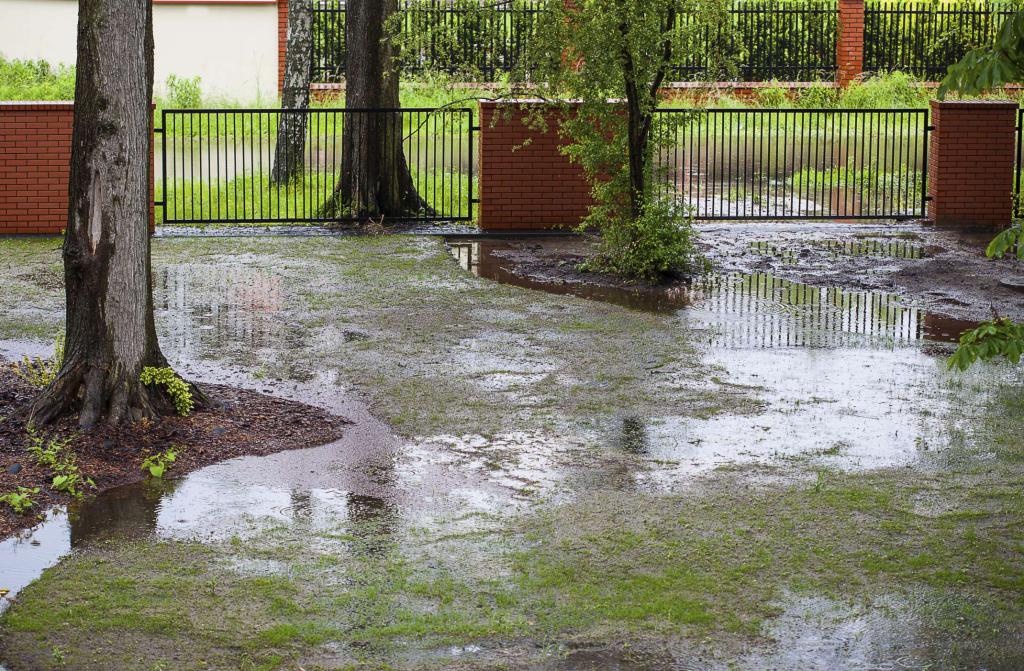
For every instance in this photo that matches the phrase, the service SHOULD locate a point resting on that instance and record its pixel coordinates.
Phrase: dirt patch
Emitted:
(239, 423)
(941, 272)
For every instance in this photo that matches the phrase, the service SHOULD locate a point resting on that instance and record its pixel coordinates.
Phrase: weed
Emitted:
(39, 372)
(21, 500)
(157, 464)
(55, 455)
(184, 93)
(177, 389)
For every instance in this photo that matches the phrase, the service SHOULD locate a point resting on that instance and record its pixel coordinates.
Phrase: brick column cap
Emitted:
(38, 105)
(973, 104)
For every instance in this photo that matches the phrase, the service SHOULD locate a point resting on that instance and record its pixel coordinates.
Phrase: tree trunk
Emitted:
(290, 154)
(375, 178)
(111, 334)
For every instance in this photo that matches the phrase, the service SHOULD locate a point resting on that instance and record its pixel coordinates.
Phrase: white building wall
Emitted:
(231, 47)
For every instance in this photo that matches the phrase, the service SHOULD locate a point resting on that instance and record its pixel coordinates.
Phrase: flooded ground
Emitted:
(750, 472)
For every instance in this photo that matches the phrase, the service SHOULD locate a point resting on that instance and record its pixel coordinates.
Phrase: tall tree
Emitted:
(375, 179)
(289, 159)
(110, 334)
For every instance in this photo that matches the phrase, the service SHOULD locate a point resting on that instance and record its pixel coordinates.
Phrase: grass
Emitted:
(255, 197)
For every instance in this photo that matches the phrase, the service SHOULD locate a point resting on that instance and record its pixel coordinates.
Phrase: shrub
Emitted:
(184, 93)
(773, 97)
(819, 96)
(35, 80)
(657, 242)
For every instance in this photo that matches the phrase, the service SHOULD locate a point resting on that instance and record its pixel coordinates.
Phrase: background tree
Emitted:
(375, 178)
(110, 333)
(613, 57)
(290, 153)
(982, 69)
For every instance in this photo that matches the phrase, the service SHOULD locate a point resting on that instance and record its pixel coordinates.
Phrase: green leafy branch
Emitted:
(179, 391)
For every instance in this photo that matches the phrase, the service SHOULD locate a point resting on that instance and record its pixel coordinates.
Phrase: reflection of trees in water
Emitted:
(124, 512)
(216, 309)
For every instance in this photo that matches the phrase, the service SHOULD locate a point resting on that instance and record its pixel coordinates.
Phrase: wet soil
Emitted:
(239, 422)
(941, 272)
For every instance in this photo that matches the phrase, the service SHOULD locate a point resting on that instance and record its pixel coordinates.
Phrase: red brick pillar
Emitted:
(526, 185)
(850, 42)
(282, 41)
(971, 163)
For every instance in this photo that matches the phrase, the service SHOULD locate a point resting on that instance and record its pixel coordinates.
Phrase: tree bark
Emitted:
(290, 153)
(375, 178)
(111, 334)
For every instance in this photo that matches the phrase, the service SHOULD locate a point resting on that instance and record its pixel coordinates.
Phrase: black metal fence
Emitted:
(925, 37)
(217, 166)
(793, 163)
(763, 39)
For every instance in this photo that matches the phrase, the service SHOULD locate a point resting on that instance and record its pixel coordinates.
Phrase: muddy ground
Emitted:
(941, 272)
(236, 422)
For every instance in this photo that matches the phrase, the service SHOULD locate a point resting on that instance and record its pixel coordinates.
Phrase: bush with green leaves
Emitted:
(895, 90)
(40, 372)
(157, 464)
(177, 389)
(35, 80)
(20, 501)
(183, 92)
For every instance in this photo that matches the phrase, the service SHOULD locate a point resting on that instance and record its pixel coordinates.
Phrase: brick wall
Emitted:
(526, 187)
(35, 152)
(35, 160)
(850, 42)
(971, 163)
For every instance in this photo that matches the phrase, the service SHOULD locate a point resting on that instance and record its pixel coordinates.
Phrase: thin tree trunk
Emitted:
(290, 154)
(375, 178)
(111, 334)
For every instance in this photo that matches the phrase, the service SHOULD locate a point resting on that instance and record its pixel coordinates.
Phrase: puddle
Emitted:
(793, 254)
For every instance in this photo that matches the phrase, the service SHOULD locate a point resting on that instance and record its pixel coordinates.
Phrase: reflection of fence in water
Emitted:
(781, 313)
(792, 163)
(205, 309)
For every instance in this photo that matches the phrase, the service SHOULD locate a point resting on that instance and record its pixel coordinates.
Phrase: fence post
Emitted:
(971, 163)
(850, 42)
(282, 42)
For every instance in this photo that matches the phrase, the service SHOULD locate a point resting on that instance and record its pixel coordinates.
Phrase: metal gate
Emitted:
(216, 166)
(793, 163)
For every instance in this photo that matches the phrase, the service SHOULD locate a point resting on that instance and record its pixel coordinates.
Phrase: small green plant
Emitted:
(993, 339)
(56, 456)
(157, 464)
(39, 372)
(21, 500)
(184, 93)
(177, 389)
(773, 97)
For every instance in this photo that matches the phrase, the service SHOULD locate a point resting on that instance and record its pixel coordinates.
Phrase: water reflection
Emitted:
(752, 310)
(893, 249)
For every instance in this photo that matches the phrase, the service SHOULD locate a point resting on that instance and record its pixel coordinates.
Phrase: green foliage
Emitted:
(21, 500)
(819, 96)
(657, 242)
(1009, 241)
(56, 456)
(35, 80)
(773, 97)
(39, 372)
(999, 338)
(890, 90)
(611, 57)
(183, 92)
(992, 65)
(157, 464)
(177, 389)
